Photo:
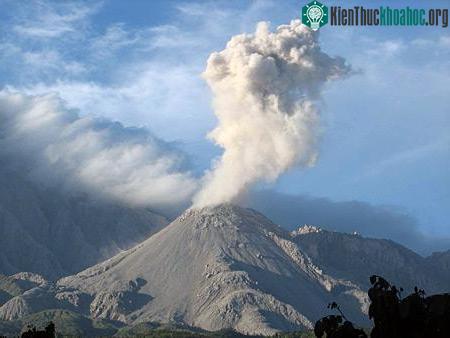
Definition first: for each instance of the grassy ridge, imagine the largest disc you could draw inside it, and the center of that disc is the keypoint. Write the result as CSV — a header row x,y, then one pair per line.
x,y
72,324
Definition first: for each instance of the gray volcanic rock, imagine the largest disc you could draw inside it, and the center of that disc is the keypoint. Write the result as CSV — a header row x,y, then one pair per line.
x,y
441,262
229,267
52,233
39,295
16,285
353,257
214,268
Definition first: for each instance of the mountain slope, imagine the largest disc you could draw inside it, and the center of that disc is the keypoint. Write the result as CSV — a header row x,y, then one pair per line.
x,y
354,258
441,262
215,268
229,267
51,233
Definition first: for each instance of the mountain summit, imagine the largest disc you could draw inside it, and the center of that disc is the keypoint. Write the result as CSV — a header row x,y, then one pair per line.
x,y
216,267
228,267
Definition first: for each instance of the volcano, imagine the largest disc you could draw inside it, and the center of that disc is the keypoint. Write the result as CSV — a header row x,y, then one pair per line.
x,y
228,267
213,268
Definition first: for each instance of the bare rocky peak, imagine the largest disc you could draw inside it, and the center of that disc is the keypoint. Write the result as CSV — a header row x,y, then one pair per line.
x,y
306,229
215,267
29,277
228,267
228,217
353,257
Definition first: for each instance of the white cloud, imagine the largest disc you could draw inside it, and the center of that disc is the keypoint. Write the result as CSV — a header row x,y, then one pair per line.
x,y
88,154
169,103
434,42
444,41
52,20
148,75
114,38
52,61
384,49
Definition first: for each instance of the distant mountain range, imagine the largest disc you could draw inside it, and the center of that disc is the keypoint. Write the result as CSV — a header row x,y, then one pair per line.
x,y
47,231
228,267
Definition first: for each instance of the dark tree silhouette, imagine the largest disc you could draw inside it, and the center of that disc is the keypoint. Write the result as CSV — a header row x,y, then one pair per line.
x,y
415,316
337,326
49,332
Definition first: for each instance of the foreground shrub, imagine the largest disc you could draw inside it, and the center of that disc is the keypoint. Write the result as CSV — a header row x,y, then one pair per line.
x,y
415,316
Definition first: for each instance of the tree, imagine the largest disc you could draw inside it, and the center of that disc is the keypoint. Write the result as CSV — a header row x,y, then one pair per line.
x,y
415,316
48,332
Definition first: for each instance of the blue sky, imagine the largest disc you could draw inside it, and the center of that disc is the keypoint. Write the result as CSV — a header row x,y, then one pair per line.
x,y
385,137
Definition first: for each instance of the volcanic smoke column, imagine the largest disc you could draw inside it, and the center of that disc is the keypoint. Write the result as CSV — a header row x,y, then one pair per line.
x,y
264,87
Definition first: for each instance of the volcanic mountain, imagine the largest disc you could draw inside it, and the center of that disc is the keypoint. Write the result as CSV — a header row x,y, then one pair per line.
x,y
229,267
214,268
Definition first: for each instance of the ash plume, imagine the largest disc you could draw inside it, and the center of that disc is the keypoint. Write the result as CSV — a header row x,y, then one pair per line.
x,y
264,87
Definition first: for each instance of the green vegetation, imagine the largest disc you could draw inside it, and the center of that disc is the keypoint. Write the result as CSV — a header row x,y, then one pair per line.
x,y
309,334
157,330
68,323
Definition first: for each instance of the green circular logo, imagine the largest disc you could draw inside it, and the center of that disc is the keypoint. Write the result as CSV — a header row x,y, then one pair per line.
x,y
314,15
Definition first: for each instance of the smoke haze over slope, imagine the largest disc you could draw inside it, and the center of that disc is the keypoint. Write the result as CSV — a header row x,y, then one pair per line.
x,y
58,147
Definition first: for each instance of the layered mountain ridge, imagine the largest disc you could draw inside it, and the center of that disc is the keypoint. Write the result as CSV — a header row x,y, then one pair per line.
x,y
353,257
63,233
229,267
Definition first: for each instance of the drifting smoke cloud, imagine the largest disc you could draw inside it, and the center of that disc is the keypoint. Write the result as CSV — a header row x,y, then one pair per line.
x,y
264,88
39,135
